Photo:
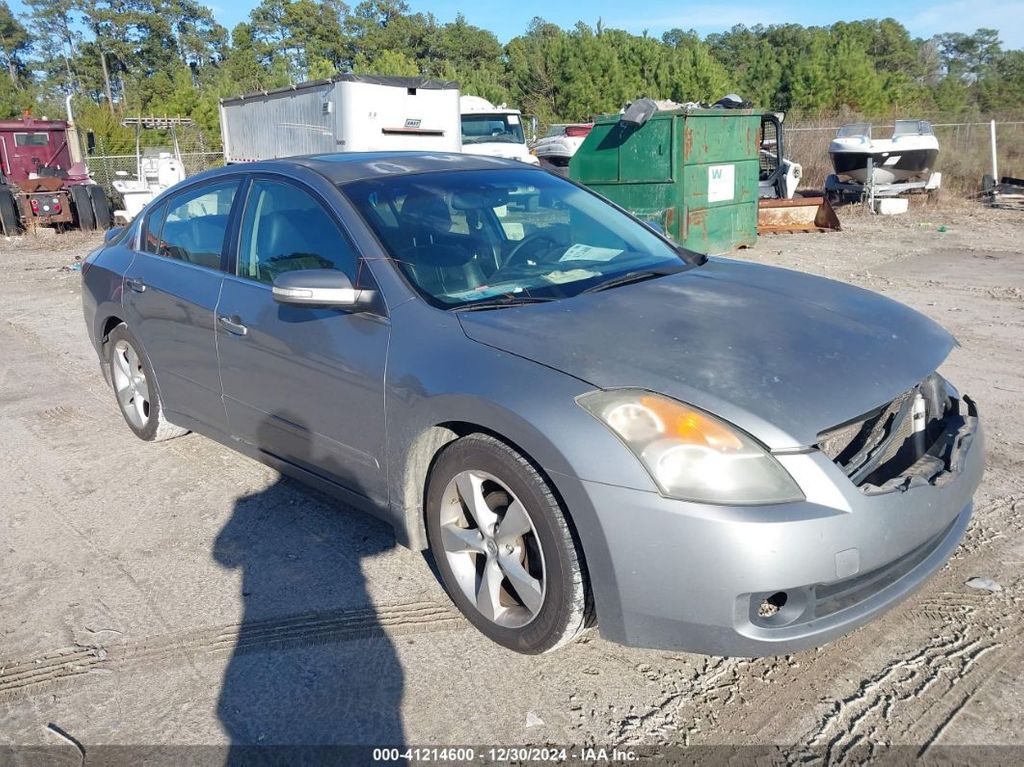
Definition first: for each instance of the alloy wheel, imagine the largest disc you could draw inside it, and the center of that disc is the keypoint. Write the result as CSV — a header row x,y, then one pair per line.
x,y
492,548
130,384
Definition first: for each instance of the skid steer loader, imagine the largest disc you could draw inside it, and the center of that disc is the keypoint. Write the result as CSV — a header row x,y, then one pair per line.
x,y
781,208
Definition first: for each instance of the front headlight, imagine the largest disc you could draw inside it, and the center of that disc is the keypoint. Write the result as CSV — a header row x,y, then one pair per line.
x,y
690,454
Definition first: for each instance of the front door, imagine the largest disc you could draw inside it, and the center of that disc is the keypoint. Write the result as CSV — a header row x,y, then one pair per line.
x,y
303,384
171,292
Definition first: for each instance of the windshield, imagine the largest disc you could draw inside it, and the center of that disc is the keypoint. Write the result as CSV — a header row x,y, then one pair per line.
x,y
853,130
471,236
484,128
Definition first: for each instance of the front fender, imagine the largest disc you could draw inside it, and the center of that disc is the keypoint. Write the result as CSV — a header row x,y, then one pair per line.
x,y
440,383
436,375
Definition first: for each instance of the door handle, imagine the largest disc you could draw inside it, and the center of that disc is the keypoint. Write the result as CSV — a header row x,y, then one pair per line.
x,y
233,325
135,284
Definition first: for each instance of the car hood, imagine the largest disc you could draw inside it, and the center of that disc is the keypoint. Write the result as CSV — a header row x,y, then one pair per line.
x,y
781,354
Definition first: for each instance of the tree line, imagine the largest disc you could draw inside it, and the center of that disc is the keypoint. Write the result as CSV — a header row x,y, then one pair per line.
x,y
172,57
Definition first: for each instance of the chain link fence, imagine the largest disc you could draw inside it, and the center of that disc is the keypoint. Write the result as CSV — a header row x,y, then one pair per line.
x,y
964,149
105,169
112,157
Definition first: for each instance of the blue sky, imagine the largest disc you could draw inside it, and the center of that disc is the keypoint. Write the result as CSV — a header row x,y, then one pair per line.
x,y
508,19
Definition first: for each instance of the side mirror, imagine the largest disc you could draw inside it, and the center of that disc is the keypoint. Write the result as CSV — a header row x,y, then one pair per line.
x,y
112,233
320,287
656,226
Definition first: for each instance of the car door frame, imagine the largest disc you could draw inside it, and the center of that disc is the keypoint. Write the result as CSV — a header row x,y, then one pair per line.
x,y
136,245
319,189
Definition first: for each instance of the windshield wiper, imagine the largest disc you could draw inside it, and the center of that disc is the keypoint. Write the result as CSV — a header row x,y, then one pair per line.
x,y
630,277
500,302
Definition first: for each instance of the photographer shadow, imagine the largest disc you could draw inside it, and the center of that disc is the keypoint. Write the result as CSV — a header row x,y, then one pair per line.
x,y
312,666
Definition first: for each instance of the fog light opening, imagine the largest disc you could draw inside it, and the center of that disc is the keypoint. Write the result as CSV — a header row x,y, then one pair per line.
x,y
771,606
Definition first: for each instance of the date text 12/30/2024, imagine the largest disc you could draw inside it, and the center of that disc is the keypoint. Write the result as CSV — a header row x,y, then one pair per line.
x,y
502,754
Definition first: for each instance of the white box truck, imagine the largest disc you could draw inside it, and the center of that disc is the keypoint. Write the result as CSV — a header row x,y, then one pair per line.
x,y
495,131
347,113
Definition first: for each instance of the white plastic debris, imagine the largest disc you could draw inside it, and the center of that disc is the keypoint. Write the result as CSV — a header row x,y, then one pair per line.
x,y
891,206
984,584
532,720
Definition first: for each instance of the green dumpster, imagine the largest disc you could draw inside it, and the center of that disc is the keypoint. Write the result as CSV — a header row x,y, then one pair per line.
x,y
693,172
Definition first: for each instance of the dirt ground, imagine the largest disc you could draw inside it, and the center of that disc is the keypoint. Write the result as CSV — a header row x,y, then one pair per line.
x,y
179,593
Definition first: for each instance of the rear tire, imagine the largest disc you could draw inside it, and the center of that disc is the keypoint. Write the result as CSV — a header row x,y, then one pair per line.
x,y
135,388
84,216
10,221
100,206
504,548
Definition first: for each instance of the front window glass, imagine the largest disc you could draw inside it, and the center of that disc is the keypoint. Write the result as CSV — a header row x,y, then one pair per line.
x,y
284,230
469,236
482,129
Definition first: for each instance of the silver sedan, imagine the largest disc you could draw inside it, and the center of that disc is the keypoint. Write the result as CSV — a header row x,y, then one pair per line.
x,y
582,422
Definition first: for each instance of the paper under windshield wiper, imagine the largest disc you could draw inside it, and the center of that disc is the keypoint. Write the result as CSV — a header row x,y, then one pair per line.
x,y
631,277
500,302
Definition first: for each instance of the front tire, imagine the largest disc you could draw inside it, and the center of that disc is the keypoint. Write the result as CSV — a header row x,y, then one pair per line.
x,y
504,547
135,388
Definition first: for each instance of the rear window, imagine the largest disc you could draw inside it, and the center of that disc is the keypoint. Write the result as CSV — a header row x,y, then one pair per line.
x,y
31,139
151,228
196,224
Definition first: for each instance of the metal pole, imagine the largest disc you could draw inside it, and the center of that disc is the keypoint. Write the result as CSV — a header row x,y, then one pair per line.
x,y
995,167
871,184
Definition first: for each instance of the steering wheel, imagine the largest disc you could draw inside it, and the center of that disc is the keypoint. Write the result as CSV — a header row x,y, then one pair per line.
x,y
522,249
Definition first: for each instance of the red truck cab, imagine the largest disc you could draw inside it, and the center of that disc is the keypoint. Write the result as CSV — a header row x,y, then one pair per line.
x,y
29,146
41,184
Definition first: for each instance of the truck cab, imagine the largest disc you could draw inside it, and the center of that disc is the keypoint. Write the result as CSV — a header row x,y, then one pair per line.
x,y
495,131
43,181
33,147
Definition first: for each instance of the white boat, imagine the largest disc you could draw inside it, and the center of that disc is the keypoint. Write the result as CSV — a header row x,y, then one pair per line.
x,y
559,144
908,155
155,172
155,169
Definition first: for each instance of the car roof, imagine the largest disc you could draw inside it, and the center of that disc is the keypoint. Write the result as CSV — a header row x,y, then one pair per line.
x,y
346,167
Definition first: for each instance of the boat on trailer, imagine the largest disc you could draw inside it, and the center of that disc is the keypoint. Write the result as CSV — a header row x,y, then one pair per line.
x,y
908,155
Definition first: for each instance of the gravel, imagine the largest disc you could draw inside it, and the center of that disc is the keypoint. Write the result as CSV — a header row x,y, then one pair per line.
x,y
182,594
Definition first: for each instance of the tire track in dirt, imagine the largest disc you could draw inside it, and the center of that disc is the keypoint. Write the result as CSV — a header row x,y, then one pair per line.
x,y
20,679
697,691
914,697
936,679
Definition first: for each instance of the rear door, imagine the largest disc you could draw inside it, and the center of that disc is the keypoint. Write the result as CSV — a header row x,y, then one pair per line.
x,y
303,384
171,292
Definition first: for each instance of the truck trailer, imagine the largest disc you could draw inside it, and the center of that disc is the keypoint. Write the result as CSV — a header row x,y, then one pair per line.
x,y
346,113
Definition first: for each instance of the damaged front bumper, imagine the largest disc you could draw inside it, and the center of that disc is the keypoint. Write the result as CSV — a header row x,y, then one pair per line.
x,y
944,458
771,580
